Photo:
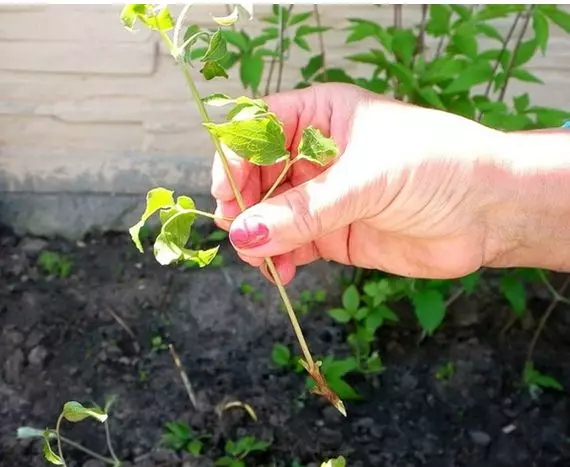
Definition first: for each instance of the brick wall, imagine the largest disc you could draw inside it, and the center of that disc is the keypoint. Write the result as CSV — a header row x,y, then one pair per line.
x,y
87,109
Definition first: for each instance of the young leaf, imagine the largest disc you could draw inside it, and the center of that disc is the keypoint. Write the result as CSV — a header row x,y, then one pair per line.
x,y
315,147
465,43
526,76
340,315
228,20
157,198
404,45
261,141
217,48
25,432
351,299
75,412
429,307
521,102
514,291
48,453
217,99
161,21
281,355
541,29
212,70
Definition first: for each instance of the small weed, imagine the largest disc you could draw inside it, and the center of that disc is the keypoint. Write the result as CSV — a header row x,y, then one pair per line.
x,y
536,382
158,344
282,358
445,372
237,452
249,291
307,300
55,264
178,436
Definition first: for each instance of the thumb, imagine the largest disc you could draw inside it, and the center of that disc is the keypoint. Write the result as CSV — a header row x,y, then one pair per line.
x,y
300,215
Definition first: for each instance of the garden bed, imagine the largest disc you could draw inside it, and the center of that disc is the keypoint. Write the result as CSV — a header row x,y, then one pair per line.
x,y
104,329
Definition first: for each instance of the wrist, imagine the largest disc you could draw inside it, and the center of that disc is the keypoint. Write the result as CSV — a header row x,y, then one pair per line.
x,y
529,220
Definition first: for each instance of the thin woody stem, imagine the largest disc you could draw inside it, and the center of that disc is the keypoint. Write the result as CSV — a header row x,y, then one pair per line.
x,y
239,198
288,164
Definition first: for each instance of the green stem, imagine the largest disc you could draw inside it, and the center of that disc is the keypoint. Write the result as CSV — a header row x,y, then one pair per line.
x,y
116,460
93,454
277,279
58,437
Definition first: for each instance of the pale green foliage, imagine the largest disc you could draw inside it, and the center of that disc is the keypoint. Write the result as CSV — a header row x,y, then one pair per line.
x,y
535,381
157,19
429,306
75,412
55,264
237,451
335,462
48,452
315,147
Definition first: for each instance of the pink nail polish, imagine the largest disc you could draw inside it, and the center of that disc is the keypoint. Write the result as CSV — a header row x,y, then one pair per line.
x,y
250,233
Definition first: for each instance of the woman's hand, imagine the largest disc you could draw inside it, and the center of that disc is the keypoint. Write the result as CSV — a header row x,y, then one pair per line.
x,y
414,192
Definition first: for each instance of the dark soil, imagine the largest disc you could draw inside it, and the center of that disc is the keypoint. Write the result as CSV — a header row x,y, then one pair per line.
x,y
59,341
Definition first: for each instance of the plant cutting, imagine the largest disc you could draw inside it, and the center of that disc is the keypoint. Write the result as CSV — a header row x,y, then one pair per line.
x,y
250,130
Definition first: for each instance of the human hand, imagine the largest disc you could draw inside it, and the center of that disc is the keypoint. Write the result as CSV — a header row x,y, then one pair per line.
x,y
411,192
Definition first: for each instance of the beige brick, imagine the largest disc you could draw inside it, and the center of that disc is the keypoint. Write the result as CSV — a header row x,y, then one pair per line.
x,y
74,57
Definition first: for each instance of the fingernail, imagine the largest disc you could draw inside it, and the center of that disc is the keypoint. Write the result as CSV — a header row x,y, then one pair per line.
x,y
249,233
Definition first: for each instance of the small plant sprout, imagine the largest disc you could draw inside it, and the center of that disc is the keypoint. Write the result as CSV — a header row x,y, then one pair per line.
x,y
72,412
251,131
237,451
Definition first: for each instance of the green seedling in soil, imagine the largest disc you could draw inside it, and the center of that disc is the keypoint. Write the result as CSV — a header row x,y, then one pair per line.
x,y
250,131
55,264
535,381
364,314
335,371
308,299
283,358
445,372
73,412
158,344
336,462
248,290
178,436
237,452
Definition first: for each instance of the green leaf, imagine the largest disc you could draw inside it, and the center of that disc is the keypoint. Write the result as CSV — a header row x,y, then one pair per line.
x,y
334,75
443,69
157,198
351,298
557,16
212,70
217,48
26,432
343,389
48,453
470,281
161,21
261,140
404,45
218,99
431,97
361,314
373,57
237,39
194,447
525,52
335,369
439,19
521,102
227,20
526,76
340,315
489,31
429,307
315,64
514,291
281,355
302,43
541,29
305,30
300,17
498,11
403,74
316,148
465,43
75,412
547,117
335,462
251,71
472,76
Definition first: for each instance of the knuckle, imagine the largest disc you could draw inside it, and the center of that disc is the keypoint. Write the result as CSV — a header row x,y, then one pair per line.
x,y
307,223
